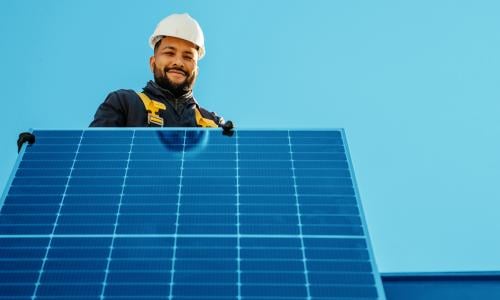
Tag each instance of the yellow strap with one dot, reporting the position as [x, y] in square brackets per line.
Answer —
[145, 99]
[203, 122]
[153, 107]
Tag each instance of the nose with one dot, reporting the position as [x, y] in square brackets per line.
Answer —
[177, 61]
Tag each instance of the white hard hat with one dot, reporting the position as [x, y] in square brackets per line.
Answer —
[181, 26]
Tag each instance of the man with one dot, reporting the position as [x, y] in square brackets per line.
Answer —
[178, 44]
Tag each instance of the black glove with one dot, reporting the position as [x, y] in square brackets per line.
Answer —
[227, 128]
[23, 138]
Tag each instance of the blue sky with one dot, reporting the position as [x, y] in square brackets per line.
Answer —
[415, 84]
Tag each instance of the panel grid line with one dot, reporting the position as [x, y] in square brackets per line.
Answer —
[51, 236]
[174, 249]
[238, 247]
[111, 247]
[264, 236]
[306, 275]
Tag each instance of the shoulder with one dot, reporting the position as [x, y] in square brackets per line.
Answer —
[122, 94]
[123, 99]
[119, 109]
[211, 115]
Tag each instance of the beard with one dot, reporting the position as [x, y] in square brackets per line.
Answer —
[178, 89]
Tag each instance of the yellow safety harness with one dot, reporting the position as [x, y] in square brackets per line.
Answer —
[153, 107]
[203, 122]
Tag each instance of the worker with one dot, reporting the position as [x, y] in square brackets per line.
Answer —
[178, 45]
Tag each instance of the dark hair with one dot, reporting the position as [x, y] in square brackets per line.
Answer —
[157, 45]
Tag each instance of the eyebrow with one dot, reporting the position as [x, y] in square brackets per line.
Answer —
[175, 49]
[170, 48]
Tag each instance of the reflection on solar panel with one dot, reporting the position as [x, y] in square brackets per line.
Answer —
[184, 214]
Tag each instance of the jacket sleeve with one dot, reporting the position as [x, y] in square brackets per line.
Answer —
[111, 113]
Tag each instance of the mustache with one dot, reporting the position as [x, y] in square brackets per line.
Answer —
[166, 69]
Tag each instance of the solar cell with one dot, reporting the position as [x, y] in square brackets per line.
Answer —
[185, 214]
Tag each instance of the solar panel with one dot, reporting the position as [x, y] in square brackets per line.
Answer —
[185, 214]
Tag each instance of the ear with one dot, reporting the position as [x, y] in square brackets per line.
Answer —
[152, 61]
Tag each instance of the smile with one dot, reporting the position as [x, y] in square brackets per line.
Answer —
[176, 72]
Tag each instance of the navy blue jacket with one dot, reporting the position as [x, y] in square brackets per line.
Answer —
[124, 108]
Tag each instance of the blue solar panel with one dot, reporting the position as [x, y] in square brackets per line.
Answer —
[185, 214]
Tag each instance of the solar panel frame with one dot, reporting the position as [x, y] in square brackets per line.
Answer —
[378, 278]
[239, 236]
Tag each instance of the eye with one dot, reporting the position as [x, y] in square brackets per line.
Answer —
[169, 53]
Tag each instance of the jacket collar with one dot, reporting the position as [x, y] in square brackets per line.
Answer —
[156, 91]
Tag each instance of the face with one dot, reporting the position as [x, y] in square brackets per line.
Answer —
[175, 65]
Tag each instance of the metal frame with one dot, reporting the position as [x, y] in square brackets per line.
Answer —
[8, 183]
[376, 273]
